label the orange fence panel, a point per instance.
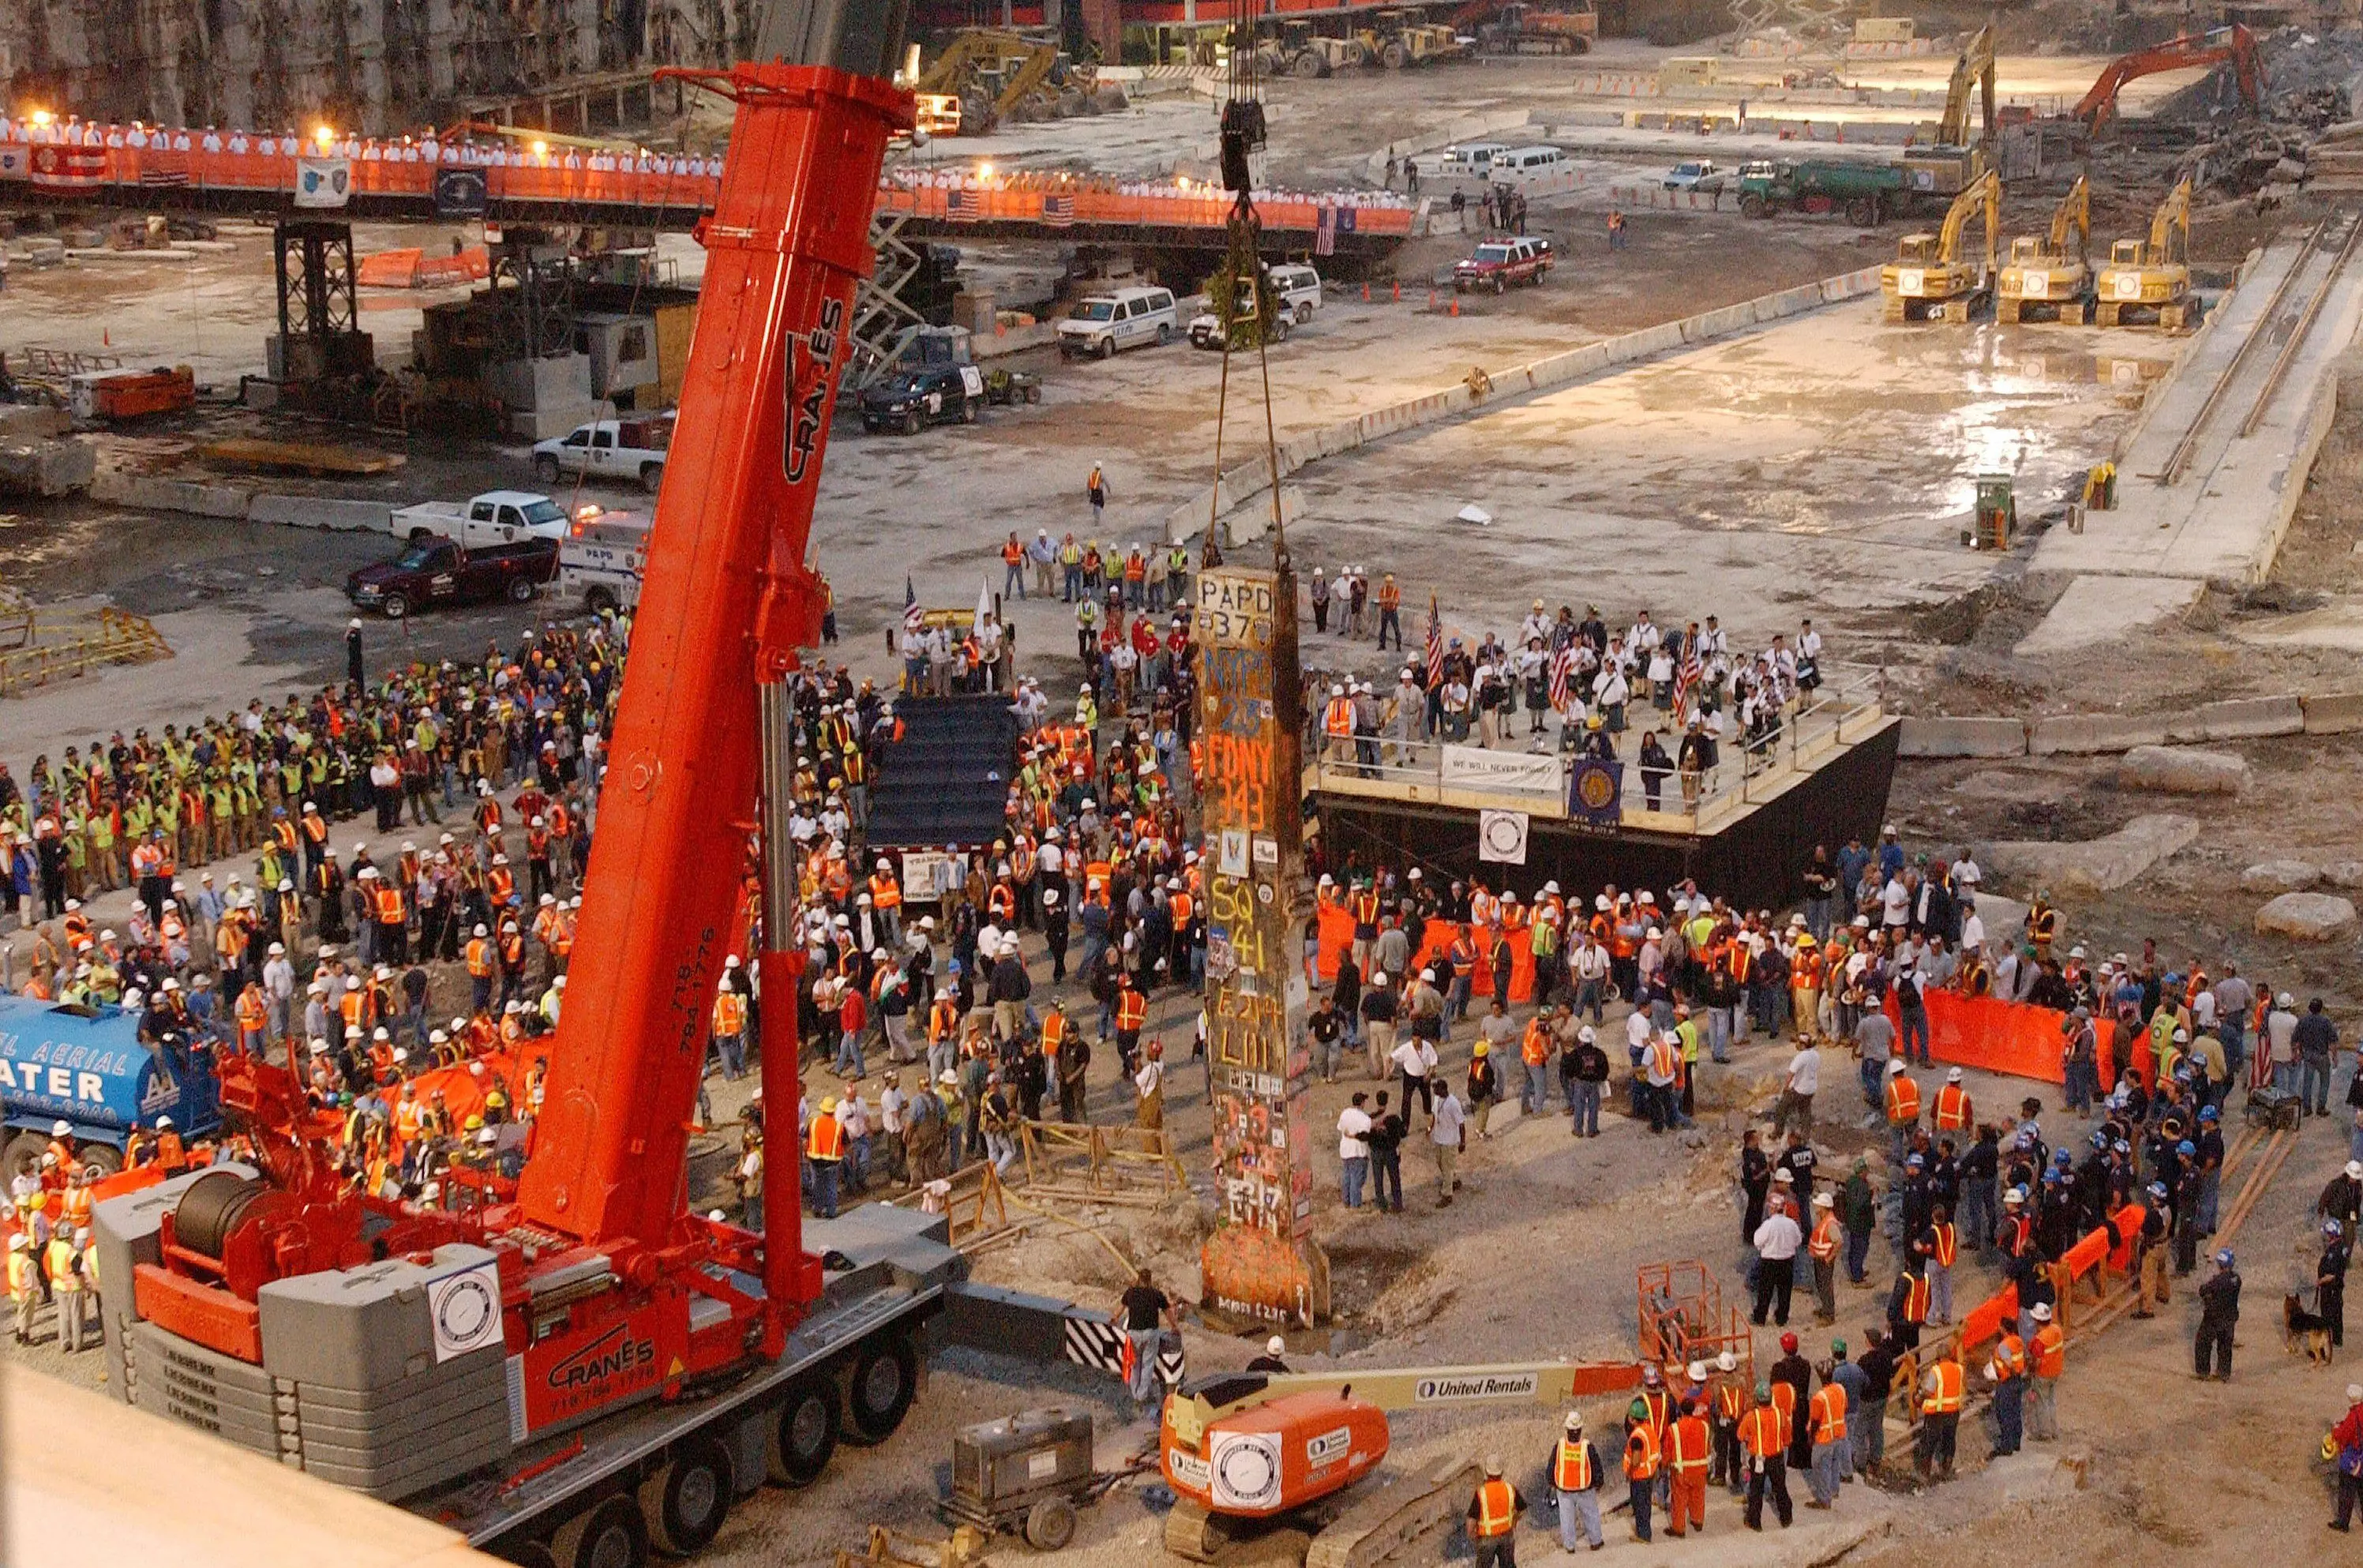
(2017, 1038)
(1337, 936)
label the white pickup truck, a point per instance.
(494, 518)
(607, 449)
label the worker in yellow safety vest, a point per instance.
(66, 1286)
(24, 1285)
(1943, 1388)
(1827, 1412)
(825, 1153)
(1575, 1482)
(1494, 1513)
(1642, 1459)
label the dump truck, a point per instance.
(1868, 194)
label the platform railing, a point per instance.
(1843, 710)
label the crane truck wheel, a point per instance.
(612, 1535)
(101, 1160)
(804, 1438)
(545, 469)
(521, 591)
(686, 1501)
(1309, 65)
(879, 1390)
(1754, 206)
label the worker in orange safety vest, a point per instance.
(1575, 1484)
(825, 1153)
(1494, 1513)
(1764, 1444)
(1689, 1445)
(1643, 1458)
(1828, 1413)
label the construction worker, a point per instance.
(2219, 1315)
(1764, 1439)
(824, 1154)
(1642, 1459)
(1575, 1484)
(1689, 1445)
(1494, 1513)
(1902, 1105)
(24, 1285)
(2047, 1356)
(2007, 1371)
(730, 1029)
(1729, 1404)
(1953, 1112)
(1822, 1246)
(66, 1285)
(1831, 1450)
(1943, 1390)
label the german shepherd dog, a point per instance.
(2304, 1331)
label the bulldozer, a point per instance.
(1398, 38)
(1297, 51)
(2043, 275)
(2151, 280)
(986, 75)
(1929, 279)
(1959, 155)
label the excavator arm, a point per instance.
(1975, 67)
(2169, 226)
(2074, 217)
(1980, 194)
(2233, 42)
(726, 600)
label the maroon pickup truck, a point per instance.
(436, 570)
(1522, 258)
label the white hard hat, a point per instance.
(2040, 1312)
(1274, 1345)
(60, 1130)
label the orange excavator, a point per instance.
(592, 1370)
(2233, 43)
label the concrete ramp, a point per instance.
(2208, 484)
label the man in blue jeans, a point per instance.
(1354, 1148)
(2317, 1039)
(1912, 1014)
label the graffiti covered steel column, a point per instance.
(1260, 1263)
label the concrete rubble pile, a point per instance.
(38, 456)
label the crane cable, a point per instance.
(1243, 131)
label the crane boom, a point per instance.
(2169, 226)
(1974, 68)
(1382, 1388)
(1984, 193)
(727, 599)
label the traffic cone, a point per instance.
(105, 337)
(1366, 290)
(1456, 307)
(1398, 291)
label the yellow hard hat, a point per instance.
(471, 1124)
(1483, 1048)
(829, 1106)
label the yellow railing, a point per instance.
(37, 648)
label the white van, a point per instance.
(1101, 324)
(1520, 164)
(1459, 162)
(1299, 288)
(601, 559)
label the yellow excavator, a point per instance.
(2044, 276)
(1959, 153)
(986, 75)
(2152, 280)
(1929, 279)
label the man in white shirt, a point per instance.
(1795, 1109)
(891, 1104)
(1444, 1132)
(1776, 1241)
(1353, 1147)
(1895, 905)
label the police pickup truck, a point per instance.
(437, 571)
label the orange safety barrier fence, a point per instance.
(2017, 1038)
(1984, 1322)
(390, 268)
(1336, 929)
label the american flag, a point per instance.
(913, 617)
(1435, 645)
(959, 203)
(1562, 672)
(1059, 209)
(1324, 233)
(1686, 679)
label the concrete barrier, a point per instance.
(2250, 718)
(2084, 733)
(320, 512)
(1962, 737)
(2332, 713)
(151, 495)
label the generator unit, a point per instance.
(1023, 1471)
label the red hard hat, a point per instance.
(1789, 1342)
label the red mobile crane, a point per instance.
(592, 1370)
(2234, 43)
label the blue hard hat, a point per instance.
(2061, 1158)
(2186, 1147)
(2209, 1113)
(2100, 1139)
(2223, 1258)
(2122, 1146)
(2158, 1189)
(953, 967)
(1913, 1163)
